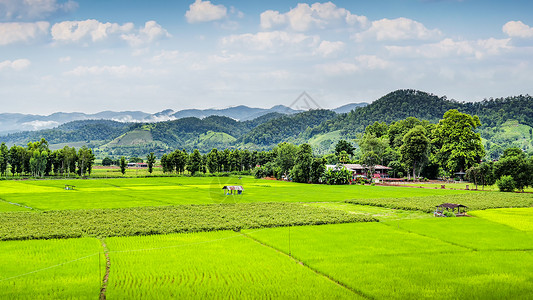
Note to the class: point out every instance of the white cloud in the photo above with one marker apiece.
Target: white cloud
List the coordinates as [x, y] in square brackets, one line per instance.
[338, 68]
[94, 31]
[166, 56]
[517, 29]
[274, 41]
[448, 48]
[205, 11]
[396, 30]
[65, 59]
[117, 71]
[327, 48]
[33, 9]
[88, 30]
[371, 62]
[36, 125]
[146, 35]
[22, 32]
[305, 17]
[17, 65]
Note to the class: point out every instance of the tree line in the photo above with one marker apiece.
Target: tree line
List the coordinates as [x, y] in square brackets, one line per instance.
[37, 160]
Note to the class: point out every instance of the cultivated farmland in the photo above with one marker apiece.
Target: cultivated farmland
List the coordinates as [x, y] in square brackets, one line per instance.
[182, 237]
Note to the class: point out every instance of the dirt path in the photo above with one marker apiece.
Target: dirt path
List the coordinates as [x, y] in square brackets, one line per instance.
[107, 268]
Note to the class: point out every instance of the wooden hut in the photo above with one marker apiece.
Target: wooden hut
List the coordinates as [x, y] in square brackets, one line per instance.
[233, 189]
[450, 206]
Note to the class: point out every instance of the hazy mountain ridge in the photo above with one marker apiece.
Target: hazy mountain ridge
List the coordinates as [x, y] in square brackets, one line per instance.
[15, 122]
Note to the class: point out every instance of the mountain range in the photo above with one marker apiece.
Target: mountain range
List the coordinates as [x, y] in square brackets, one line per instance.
[505, 122]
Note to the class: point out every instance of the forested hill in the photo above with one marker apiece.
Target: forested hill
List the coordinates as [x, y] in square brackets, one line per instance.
[318, 127]
[401, 104]
[75, 131]
[286, 127]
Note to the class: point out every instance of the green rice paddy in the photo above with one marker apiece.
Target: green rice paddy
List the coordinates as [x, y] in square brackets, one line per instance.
[165, 191]
[271, 251]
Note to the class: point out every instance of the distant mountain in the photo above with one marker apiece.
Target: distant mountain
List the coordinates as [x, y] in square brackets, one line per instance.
[239, 113]
[10, 123]
[349, 107]
[321, 128]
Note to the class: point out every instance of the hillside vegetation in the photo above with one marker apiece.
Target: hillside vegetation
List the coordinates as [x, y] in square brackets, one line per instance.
[506, 122]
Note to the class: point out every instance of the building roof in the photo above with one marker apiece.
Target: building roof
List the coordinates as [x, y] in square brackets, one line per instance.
[451, 205]
[233, 188]
[354, 167]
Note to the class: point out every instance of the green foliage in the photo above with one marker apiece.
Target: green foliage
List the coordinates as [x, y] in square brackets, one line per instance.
[286, 127]
[337, 175]
[122, 165]
[414, 149]
[150, 160]
[458, 145]
[515, 164]
[164, 220]
[195, 162]
[345, 146]
[506, 183]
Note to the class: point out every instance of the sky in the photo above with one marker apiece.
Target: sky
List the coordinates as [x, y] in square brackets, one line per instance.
[96, 55]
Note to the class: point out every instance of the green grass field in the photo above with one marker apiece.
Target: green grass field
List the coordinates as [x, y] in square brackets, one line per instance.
[51, 269]
[430, 258]
[164, 191]
[272, 249]
[220, 264]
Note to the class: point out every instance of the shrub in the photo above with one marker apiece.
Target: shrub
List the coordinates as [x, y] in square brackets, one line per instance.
[506, 183]
[448, 214]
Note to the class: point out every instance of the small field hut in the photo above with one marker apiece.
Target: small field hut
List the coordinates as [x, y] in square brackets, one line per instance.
[451, 207]
[233, 189]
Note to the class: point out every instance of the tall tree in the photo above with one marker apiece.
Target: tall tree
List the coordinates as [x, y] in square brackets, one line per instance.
[515, 164]
[301, 172]
[150, 160]
[122, 165]
[459, 146]
[195, 162]
[414, 150]
[85, 160]
[212, 161]
[4, 158]
[344, 145]
[285, 156]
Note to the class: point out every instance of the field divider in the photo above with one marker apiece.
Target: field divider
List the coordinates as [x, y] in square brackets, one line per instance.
[105, 279]
[316, 271]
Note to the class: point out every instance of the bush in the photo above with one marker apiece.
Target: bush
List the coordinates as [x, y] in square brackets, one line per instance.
[506, 183]
[448, 214]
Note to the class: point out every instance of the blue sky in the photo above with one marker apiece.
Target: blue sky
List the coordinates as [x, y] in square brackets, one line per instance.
[90, 56]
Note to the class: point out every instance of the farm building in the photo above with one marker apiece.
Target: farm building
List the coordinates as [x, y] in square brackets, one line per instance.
[233, 189]
[361, 171]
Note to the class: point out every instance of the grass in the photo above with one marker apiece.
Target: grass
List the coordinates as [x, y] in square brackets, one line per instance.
[519, 218]
[461, 186]
[381, 213]
[165, 191]
[427, 258]
[473, 200]
[163, 220]
[51, 269]
[210, 265]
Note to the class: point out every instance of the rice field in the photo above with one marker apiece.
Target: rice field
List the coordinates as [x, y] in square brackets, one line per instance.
[51, 269]
[406, 260]
[166, 191]
[168, 237]
[212, 265]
